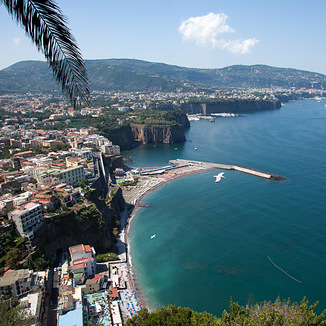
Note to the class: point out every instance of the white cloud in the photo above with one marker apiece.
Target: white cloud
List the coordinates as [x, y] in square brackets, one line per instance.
[204, 30]
[16, 40]
[237, 46]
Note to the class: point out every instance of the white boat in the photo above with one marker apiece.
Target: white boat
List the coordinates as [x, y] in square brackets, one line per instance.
[153, 236]
[219, 177]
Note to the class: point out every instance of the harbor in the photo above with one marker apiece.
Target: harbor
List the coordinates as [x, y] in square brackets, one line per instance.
[151, 179]
[148, 180]
[266, 175]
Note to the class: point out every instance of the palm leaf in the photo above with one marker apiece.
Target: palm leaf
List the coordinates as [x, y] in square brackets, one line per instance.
[45, 24]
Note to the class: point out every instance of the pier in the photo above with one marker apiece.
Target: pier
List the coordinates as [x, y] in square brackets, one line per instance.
[205, 165]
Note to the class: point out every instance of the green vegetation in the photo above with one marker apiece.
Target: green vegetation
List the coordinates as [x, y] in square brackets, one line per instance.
[12, 314]
[113, 120]
[104, 257]
[82, 183]
[14, 252]
[122, 182]
[4, 114]
[136, 75]
[77, 223]
[38, 261]
[274, 313]
[171, 316]
[278, 313]
[12, 248]
[6, 151]
[59, 147]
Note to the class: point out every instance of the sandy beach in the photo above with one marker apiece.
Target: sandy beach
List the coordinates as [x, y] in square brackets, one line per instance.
[132, 298]
[133, 196]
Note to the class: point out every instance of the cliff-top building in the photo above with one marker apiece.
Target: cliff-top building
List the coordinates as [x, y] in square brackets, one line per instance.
[83, 261]
[27, 218]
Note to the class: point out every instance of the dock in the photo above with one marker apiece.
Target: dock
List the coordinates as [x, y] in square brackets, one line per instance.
[179, 163]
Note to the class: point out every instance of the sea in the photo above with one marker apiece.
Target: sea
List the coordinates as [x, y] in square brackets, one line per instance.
[245, 238]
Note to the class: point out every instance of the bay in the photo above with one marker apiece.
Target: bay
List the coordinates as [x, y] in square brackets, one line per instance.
[213, 240]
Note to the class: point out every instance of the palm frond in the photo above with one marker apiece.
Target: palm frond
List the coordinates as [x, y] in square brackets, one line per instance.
[45, 24]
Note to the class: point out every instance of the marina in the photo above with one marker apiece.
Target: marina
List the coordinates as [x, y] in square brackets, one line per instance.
[205, 165]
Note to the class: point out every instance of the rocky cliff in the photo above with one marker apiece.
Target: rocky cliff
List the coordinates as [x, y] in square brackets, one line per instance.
[91, 225]
[129, 136]
[229, 106]
[147, 134]
[123, 137]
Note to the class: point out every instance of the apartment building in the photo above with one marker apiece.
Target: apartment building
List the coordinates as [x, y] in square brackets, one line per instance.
[18, 282]
[71, 175]
[110, 149]
[27, 218]
[68, 176]
[82, 260]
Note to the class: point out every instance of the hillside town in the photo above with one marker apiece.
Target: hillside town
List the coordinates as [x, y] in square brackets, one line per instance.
[42, 174]
[46, 172]
[59, 108]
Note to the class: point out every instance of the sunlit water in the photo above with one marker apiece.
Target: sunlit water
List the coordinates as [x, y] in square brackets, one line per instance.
[213, 240]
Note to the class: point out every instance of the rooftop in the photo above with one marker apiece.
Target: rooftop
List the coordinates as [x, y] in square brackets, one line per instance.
[73, 317]
[11, 277]
[26, 207]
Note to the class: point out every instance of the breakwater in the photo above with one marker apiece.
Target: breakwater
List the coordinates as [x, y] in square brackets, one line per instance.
[266, 175]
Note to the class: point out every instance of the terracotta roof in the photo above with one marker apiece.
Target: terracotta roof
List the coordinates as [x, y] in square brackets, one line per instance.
[82, 265]
[76, 248]
[87, 248]
[113, 293]
[43, 196]
[80, 261]
[41, 201]
[22, 153]
[98, 276]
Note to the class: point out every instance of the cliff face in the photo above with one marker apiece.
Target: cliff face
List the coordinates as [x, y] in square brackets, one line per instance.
[183, 120]
[51, 239]
[93, 228]
[158, 134]
[230, 106]
[123, 137]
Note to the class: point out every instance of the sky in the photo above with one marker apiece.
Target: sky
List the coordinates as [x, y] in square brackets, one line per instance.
[188, 33]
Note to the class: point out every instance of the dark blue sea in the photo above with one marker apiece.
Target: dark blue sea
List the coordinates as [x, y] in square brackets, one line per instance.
[216, 241]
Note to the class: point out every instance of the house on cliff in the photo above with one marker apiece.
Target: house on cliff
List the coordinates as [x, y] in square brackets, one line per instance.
[82, 261]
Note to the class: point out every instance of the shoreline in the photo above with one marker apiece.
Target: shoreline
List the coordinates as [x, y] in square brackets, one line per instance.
[149, 182]
[137, 198]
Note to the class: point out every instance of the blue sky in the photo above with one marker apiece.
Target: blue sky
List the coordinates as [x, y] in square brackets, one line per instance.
[202, 34]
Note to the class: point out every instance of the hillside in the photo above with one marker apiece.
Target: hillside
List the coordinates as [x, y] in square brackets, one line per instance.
[138, 75]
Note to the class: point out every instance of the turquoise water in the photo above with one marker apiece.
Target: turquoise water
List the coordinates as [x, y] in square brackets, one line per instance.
[213, 240]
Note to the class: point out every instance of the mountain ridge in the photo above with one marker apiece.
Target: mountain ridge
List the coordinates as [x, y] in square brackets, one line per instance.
[140, 75]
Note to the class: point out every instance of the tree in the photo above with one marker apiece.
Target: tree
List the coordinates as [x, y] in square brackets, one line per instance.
[273, 313]
[12, 314]
[45, 24]
[277, 313]
[172, 316]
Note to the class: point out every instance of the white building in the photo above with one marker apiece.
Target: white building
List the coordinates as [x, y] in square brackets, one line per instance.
[82, 152]
[15, 283]
[68, 176]
[22, 198]
[71, 175]
[110, 149]
[82, 260]
[27, 218]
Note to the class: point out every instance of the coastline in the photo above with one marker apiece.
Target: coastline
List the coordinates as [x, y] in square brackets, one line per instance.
[149, 182]
[133, 201]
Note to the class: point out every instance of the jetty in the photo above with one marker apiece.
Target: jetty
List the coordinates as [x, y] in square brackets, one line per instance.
[180, 163]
